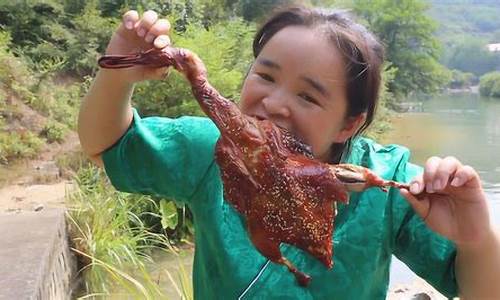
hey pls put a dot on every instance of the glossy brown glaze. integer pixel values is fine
(269, 176)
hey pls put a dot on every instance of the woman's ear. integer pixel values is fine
(351, 125)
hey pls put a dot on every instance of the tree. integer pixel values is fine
(254, 10)
(411, 47)
(489, 85)
(226, 51)
(471, 55)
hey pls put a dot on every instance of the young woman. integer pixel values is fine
(316, 73)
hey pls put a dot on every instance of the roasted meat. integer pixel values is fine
(269, 176)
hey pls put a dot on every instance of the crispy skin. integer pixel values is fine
(269, 176)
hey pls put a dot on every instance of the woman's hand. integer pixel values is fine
(449, 198)
(136, 34)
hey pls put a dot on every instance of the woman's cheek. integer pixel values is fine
(251, 94)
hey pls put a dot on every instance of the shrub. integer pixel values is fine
(489, 85)
(462, 79)
(18, 145)
(53, 132)
(495, 91)
(109, 237)
(381, 123)
(15, 76)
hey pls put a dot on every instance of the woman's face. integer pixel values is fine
(298, 81)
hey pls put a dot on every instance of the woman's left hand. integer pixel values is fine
(449, 198)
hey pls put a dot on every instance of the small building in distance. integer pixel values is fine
(494, 47)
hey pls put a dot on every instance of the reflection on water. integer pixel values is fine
(465, 126)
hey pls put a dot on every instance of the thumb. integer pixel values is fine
(420, 205)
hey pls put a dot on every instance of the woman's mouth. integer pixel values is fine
(260, 118)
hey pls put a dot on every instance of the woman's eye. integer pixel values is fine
(308, 98)
(266, 77)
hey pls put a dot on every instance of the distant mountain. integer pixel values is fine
(459, 19)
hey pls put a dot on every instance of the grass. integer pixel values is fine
(112, 242)
(18, 145)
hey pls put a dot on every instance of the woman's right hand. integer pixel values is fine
(137, 34)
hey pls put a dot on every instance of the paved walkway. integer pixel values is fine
(35, 262)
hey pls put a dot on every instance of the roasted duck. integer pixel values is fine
(269, 176)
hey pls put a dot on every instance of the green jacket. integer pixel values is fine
(174, 158)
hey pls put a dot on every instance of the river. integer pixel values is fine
(462, 125)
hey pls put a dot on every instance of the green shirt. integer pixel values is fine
(174, 158)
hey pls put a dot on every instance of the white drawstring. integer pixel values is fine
(254, 280)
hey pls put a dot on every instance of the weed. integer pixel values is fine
(111, 240)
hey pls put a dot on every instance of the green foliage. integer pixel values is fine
(462, 79)
(471, 55)
(255, 10)
(15, 76)
(109, 236)
(226, 51)
(466, 18)
(465, 27)
(18, 145)
(489, 85)
(30, 22)
(37, 27)
(381, 123)
(407, 33)
(38, 90)
(43, 30)
(169, 218)
(54, 132)
(112, 236)
(91, 35)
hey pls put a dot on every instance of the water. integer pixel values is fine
(465, 126)
(171, 271)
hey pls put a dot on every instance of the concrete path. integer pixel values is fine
(35, 261)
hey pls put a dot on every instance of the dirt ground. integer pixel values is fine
(39, 182)
(17, 198)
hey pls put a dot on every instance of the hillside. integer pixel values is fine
(459, 19)
(465, 27)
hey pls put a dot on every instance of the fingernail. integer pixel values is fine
(141, 32)
(161, 41)
(456, 182)
(129, 24)
(437, 185)
(149, 38)
(414, 188)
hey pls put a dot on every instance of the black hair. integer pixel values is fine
(363, 56)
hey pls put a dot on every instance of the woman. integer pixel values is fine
(316, 73)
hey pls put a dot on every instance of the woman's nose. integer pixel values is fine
(276, 105)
